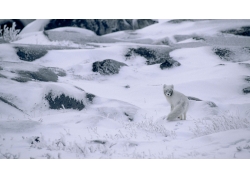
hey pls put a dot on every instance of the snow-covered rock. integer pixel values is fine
(107, 66)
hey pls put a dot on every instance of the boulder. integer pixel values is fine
(246, 90)
(43, 74)
(107, 67)
(152, 55)
(223, 53)
(32, 52)
(243, 31)
(101, 26)
(169, 63)
(247, 78)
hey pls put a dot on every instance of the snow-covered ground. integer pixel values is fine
(126, 118)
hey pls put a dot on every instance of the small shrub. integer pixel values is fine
(9, 34)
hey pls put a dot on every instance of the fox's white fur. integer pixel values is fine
(179, 103)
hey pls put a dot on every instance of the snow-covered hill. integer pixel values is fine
(68, 93)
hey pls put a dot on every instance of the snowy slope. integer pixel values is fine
(126, 117)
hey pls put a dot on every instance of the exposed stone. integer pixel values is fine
(107, 67)
(21, 79)
(2, 76)
(152, 55)
(101, 26)
(223, 53)
(247, 78)
(169, 63)
(90, 97)
(63, 101)
(32, 52)
(246, 90)
(243, 31)
(43, 74)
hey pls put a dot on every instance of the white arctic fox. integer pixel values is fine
(178, 101)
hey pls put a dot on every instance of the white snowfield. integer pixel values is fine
(126, 118)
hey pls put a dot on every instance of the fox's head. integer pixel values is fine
(168, 90)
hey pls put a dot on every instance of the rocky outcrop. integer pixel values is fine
(107, 67)
(169, 63)
(243, 31)
(43, 74)
(154, 56)
(246, 90)
(32, 52)
(101, 26)
(232, 53)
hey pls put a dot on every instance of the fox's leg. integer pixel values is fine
(185, 114)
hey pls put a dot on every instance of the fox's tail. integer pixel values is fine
(177, 111)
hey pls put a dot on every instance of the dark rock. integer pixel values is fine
(21, 79)
(101, 26)
(63, 101)
(107, 67)
(9, 103)
(30, 53)
(169, 63)
(58, 71)
(43, 74)
(243, 31)
(152, 56)
(193, 98)
(223, 53)
(2, 76)
(127, 86)
(90, 97)
(247, 78)
(246, 90)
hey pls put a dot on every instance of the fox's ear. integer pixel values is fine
(172, 86)
(164, 85)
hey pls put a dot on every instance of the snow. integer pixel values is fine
(125, 123)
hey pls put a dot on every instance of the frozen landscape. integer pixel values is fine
(72, 93)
